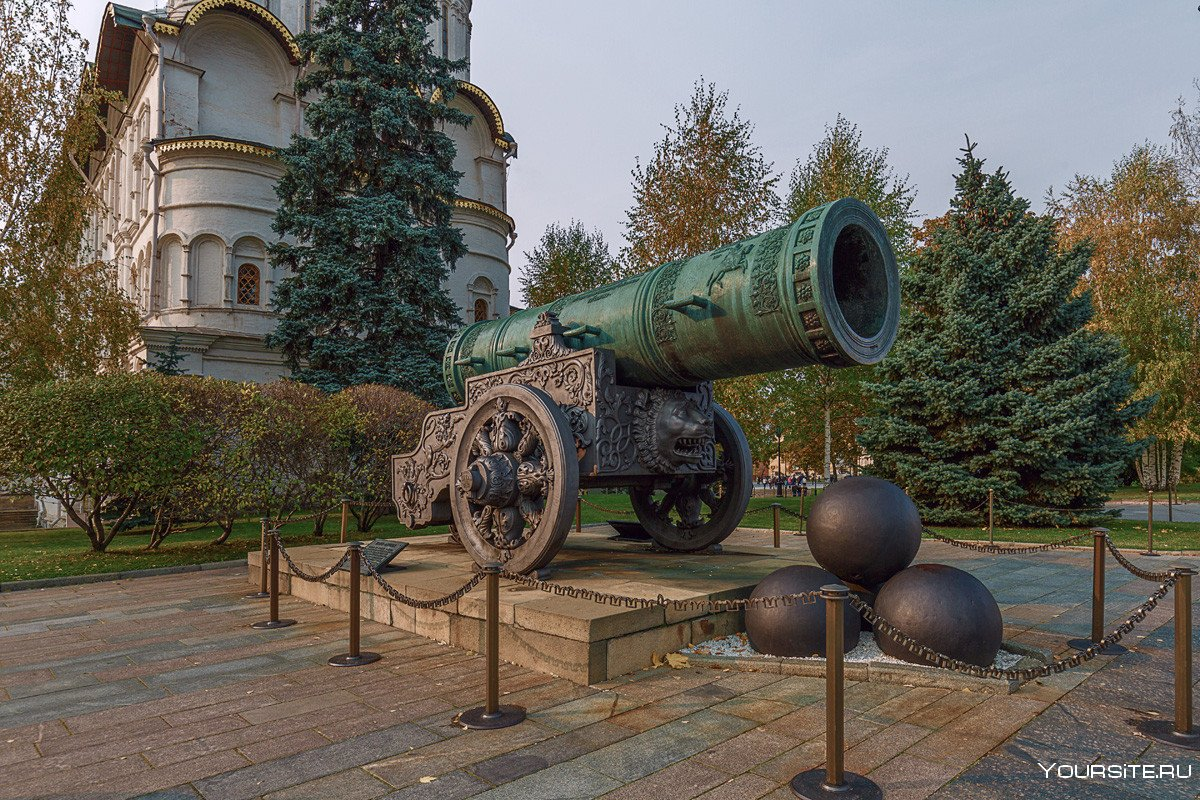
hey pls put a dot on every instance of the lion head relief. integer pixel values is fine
(670, 430)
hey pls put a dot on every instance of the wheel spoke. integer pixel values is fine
(663, 508)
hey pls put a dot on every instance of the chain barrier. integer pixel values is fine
(943, 661)
(995, 548)
(444, 600)
(625, 601)
(1014, 504)
(791, 513)
(279, 523)
(587, 502)
(366, 504)
(1137, 571)
(299, 573)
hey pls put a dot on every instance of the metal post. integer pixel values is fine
(991, 517)
(775, 509)
(1150, 524)
(274, 621)
(345, 518)
(492, 714)
(1183, 652)
(354, 658)
(1098, 547)
(579, 514)
(1179, 732)
(834, 781)
(778, 463)
(262, 592)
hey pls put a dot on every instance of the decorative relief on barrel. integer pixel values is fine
(593, 295)
(662, 318)
(764, 289)
(467, 349)
(805, 235)
(804, 292)
(814, 215)
(733, 258)
(802, 277)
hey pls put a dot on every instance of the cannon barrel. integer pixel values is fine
(822, 290)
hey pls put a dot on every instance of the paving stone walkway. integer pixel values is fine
(157, 688)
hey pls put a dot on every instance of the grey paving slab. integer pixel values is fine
(451, 786)
(184, 792)
(259, 779)
(660, 747)
(352, 784)
(560, 782)
(72, 702)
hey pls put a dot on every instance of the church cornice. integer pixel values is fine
(491, 114)
(486, 209)
(216, 143)
(254, 11)
(202, 143)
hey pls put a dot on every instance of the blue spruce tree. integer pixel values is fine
(367, 199)
(996, 381)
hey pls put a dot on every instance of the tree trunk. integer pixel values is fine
(226, 526)
(366, 518)
(828, 442)
(319, 524)
(161, 530)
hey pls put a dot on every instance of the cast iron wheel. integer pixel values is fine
(516, 476)
(697, 511)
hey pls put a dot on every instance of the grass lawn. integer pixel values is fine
(1188, 493)
(59, 552)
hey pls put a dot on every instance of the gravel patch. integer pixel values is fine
(738, 646)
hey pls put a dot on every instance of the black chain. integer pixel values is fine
(930, 656)
(299, 573)
(413, 602)
(994, 548)
(587, 502)
(791, 513)
(625, 601)
(1145, 575)
(1014, 504)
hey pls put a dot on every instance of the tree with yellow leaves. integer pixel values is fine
(1144, 223)
(61, 313)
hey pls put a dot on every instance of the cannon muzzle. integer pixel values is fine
(822, 290)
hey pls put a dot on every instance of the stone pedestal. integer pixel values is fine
(576, 639)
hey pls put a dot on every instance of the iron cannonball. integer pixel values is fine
(943, 608)
(864, 530)
(795, 630)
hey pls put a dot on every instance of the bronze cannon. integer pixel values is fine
(612, 387)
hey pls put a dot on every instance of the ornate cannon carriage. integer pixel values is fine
(612, 387)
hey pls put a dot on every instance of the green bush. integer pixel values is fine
(102, 446)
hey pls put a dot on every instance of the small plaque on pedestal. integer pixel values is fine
(379, 554)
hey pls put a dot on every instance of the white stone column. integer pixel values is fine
(185, 277)
(228, 280)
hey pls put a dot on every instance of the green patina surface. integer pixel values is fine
(822, 289)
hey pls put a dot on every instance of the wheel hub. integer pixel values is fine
(491, 480)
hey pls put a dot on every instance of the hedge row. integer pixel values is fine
(117, 448)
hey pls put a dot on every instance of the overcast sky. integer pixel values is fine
(1047, 89)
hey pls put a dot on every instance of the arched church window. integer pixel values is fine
(247, 285)
(481, 310)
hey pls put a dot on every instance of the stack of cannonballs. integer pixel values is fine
(865, 532)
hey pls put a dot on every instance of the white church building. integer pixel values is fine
(187, 177)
